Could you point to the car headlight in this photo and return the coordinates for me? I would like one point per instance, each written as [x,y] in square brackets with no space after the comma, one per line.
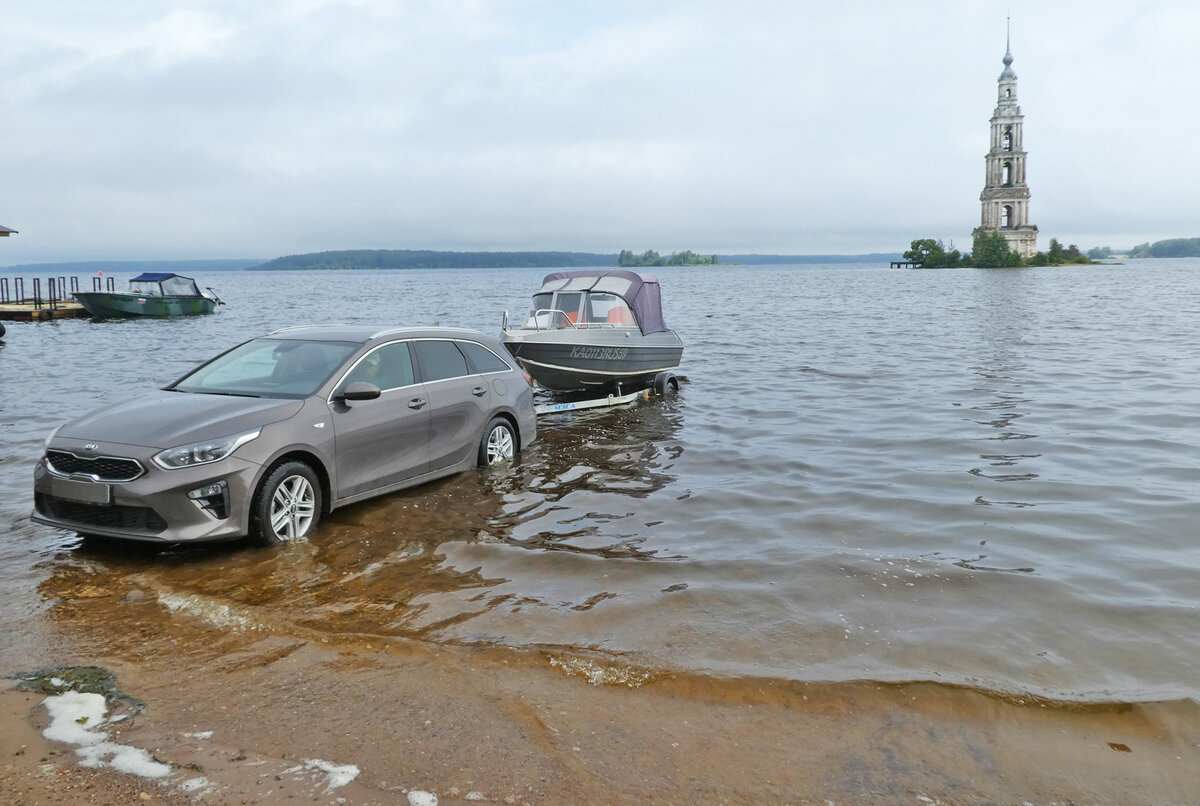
[201,453]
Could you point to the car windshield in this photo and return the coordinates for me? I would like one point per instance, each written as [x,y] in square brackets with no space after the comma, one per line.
[269,368]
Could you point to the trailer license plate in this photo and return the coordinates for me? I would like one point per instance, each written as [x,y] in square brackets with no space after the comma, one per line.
[86,492]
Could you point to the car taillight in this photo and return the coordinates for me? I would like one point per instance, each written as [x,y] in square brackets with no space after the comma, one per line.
[528,378]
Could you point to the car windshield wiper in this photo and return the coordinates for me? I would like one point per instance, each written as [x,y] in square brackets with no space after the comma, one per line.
[229,394]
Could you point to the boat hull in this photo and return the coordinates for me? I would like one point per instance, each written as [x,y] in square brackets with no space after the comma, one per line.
[108,305]
[569,360]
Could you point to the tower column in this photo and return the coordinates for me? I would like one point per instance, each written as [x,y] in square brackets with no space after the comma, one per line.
[1005,197]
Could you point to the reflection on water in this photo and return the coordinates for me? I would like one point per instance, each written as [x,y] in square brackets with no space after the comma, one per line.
[959,477]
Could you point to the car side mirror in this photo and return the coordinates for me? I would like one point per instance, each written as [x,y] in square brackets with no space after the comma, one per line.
[358,390]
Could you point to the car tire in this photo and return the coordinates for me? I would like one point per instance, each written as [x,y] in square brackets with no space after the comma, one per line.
[499,443]
[287,505]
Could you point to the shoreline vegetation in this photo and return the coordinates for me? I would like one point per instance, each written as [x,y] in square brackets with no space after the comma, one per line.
[384,259]
[927,252]
[989,250]
[628,259]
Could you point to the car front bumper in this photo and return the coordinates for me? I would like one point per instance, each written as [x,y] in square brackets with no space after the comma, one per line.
[154,507]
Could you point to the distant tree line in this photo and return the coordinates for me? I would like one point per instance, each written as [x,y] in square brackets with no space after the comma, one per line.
[354,259]
[1173,247]
[628,259]
[989,249]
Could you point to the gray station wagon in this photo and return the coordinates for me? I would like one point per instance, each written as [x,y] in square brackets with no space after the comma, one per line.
[264,439]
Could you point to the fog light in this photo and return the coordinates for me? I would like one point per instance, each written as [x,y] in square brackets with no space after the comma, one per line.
[212,498]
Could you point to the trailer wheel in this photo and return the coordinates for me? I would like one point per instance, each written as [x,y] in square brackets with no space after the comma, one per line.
[666,384]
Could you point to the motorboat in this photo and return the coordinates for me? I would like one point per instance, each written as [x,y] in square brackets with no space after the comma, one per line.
[150,294]
[599,330]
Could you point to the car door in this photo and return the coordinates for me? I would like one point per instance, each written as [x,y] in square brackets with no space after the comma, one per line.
[386,440]
[459,402]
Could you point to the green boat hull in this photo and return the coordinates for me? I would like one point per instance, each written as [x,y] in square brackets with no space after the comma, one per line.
[107,305]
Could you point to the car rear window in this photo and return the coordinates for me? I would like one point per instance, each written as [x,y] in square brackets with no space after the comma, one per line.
[482,359]
[440,360]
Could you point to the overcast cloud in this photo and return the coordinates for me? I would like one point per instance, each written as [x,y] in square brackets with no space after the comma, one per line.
[221,128]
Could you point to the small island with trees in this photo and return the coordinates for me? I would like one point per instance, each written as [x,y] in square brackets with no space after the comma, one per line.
[628,259]
[989,250]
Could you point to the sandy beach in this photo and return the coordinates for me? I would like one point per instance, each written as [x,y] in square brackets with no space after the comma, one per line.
[266,723]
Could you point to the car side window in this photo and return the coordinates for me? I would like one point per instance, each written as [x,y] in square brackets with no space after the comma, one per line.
[388,367]
[482,359]
[440,360]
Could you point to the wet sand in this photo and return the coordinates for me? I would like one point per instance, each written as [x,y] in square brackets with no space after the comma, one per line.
[492,726]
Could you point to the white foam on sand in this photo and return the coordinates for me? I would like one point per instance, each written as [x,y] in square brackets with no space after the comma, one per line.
[418,798]
[194,784]
[78,718]
[600,675]
[217,614]
[336,774]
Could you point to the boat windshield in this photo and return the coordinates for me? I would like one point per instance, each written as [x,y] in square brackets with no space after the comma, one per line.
[163,285]
[572,309]
[287,368]
[608,309]
[551,311]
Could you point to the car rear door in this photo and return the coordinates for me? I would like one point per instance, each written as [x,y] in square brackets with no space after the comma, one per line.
[386,440]
[459,402]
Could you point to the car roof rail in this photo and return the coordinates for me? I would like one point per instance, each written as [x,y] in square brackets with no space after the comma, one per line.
[305,327]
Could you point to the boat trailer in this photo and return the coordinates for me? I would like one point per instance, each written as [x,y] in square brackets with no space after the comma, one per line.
[665,383]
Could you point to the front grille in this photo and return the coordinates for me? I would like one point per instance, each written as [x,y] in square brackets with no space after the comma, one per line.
[102,468]
[139,519]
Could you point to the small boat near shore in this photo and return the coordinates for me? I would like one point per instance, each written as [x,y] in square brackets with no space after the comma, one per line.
[150,294]
[595,330]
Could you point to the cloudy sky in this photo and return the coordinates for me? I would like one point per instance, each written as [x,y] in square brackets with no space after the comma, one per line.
[151,129]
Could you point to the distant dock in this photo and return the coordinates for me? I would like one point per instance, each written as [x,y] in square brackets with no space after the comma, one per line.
[31,312]
[905,264]
[38,301]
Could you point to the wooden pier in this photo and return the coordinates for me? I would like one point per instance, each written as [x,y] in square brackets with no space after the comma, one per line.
[905,264]
[38,302]
[31,312]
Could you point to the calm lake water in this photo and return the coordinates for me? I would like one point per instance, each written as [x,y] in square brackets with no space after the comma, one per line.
[976,477]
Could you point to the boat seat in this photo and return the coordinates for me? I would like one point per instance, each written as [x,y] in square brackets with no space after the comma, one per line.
[619,316]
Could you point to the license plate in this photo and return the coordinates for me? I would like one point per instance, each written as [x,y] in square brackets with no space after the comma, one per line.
[87,492]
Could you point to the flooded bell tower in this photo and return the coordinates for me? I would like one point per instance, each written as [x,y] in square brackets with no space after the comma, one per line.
[1005,197]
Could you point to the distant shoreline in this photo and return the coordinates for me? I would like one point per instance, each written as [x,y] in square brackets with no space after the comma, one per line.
[348,260]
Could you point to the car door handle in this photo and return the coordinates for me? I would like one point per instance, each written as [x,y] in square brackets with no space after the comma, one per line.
[479,391]
[416,403]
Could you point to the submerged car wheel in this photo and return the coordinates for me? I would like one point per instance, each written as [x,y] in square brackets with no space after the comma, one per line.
[499,443]
[287,506]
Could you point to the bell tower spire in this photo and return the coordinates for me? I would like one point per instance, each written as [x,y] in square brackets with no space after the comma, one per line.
[1005,197]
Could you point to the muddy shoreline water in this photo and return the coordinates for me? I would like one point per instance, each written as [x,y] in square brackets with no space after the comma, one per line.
[245,708]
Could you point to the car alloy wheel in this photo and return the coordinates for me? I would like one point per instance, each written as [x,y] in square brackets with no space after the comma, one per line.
[499,444]
[288,505]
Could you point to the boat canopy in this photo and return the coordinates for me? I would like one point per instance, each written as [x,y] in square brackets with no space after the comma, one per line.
[156,284]
[641,292]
